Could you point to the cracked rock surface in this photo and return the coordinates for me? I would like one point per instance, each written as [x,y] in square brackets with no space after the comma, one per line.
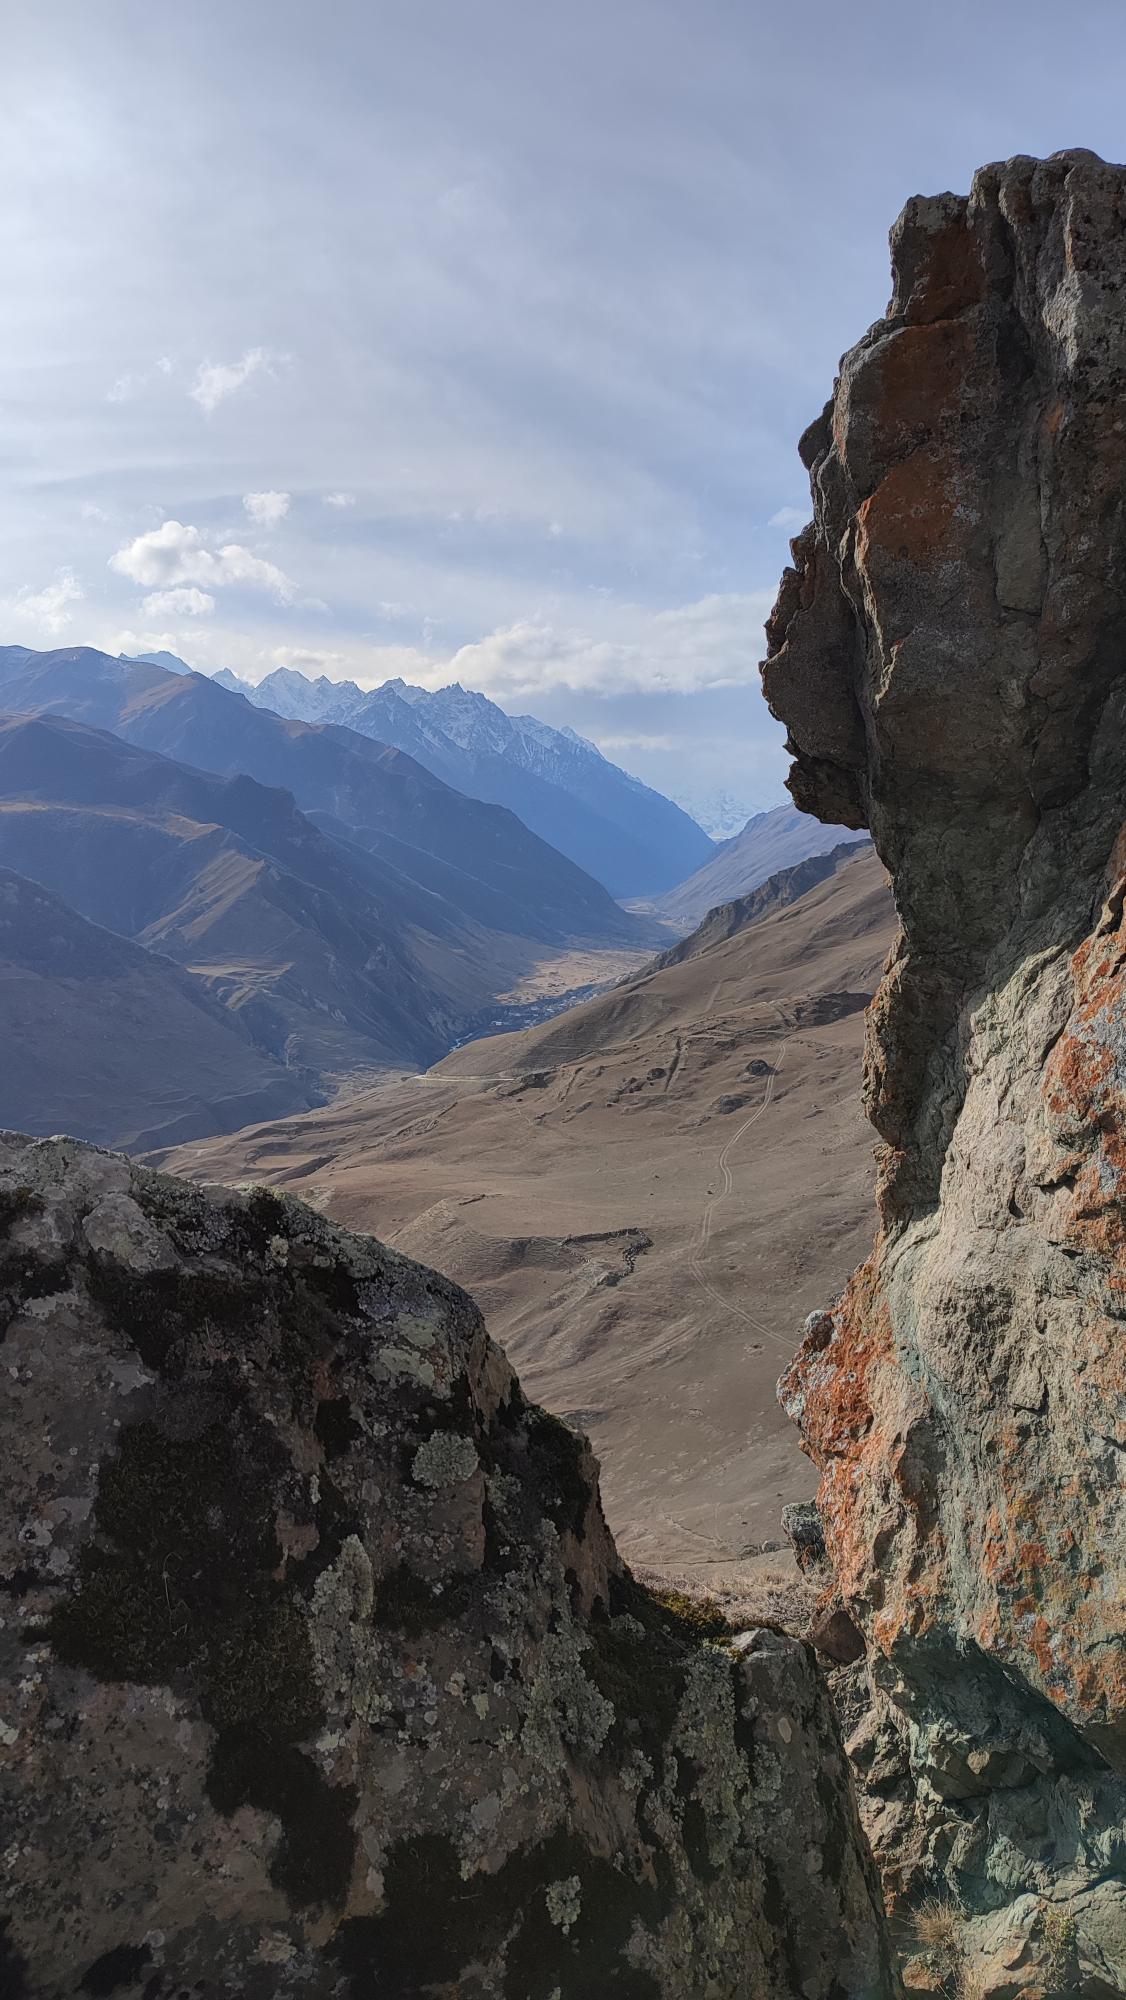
[321,1675]
[949,654]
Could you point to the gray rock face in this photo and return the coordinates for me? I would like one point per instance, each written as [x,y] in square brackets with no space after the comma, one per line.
[320,1673]
[949,653]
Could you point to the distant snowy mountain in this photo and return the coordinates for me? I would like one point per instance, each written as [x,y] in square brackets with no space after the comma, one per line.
[720,813]
[630,838]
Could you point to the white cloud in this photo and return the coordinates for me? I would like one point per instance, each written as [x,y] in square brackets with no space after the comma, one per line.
[789,517]
[172,603]
[340,499]
[636,742]
[132,644]
[713,643]
[131,384]
[47,610]
[216,380]
[175,553]
[266,508]
[90,511]
[305,660]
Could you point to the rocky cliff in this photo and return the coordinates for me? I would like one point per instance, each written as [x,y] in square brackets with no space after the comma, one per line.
[949,654]
[320,1673]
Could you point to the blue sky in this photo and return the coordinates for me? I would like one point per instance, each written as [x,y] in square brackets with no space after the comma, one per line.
[471,338]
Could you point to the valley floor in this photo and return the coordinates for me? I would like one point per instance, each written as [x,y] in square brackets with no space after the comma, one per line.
[647,1197]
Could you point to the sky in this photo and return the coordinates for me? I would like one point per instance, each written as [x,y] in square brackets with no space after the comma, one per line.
[471,339]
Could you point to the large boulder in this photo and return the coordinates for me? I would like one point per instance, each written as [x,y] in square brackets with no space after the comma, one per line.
[320,1673]
[949,654]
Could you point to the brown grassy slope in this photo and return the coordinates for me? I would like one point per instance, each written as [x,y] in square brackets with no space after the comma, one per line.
[645,1212]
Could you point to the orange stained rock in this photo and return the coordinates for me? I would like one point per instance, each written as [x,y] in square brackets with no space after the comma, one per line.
[912,515]
[1085,1088]
[952,278]
[830,1383]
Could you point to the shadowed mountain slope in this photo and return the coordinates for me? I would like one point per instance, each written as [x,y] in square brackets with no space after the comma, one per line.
[116,1044]
[788,886]
[317,948]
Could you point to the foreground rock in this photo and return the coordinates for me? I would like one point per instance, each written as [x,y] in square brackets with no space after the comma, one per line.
[321,1675]
[949,653]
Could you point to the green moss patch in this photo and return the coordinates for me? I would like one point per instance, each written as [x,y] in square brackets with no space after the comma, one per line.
[557,1463]
[436,1923]
[312,1862]
[638,1658]
[410,1604]
[178,1587]
[123,1966]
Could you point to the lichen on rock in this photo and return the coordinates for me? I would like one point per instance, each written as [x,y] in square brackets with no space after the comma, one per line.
[948,652]
[321,1676]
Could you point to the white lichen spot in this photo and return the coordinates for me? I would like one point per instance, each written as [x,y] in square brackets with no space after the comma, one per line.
[273,1949]
[446,1459]
[564,1706]
[400,1361]
[416,1328]
[564,1902]
[118,1227]
[481,1704]
[456,1685]
[8,1735]
[345,1646]
[278,1250]
[785,1729]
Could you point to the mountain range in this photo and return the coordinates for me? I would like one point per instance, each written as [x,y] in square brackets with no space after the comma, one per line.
[292,946]
[314,904]
[480,858]
[630,838]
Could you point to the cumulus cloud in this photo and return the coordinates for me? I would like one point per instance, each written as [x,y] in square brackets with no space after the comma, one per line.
[715,642]
[340,499]
[266,508]
[173,603]
[789,517]
[216,380]
[47,610]
[175,553]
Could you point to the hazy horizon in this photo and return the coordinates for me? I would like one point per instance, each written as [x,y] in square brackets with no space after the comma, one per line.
[415,346]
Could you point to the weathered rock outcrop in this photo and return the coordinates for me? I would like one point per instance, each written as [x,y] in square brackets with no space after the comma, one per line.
[949,653]
[321,1675]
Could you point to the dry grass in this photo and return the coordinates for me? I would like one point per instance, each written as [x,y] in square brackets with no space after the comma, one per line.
[1060,1933]
[939,1926]
[774,1595]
